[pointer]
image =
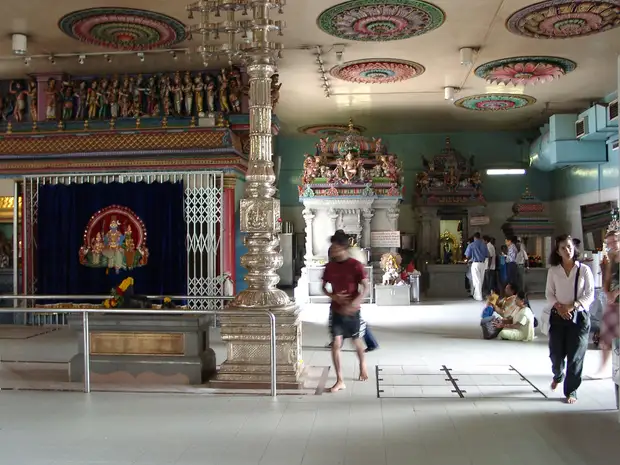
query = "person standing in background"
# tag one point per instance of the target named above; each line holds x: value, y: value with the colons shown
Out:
x: 522, y: 261
x: 490, y: 276
x: 477, y: 253
x: 512, y: 272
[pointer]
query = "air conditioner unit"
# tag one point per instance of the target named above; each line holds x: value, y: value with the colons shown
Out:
x: 612, y: 110
x: 581, y: 127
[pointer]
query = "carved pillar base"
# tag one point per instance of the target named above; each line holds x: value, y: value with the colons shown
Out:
x: 247, y: 342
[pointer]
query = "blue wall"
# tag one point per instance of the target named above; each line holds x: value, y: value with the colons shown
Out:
x: 491, y: 150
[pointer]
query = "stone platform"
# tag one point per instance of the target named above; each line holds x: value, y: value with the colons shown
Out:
x: 162, y: 349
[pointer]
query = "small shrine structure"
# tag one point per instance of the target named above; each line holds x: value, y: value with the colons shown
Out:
x: 352, y: 183
x: 449, y: 189
x: 533, y: 227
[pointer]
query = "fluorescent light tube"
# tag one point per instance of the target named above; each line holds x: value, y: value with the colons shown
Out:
x: 506, y: 172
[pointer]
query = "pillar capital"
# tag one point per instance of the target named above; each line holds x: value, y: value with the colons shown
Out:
x: 230, y: 181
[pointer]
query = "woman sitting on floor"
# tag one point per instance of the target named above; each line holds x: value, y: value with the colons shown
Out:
x: 521, y: 326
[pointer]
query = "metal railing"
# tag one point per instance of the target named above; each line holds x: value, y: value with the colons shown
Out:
x: 86, y: 328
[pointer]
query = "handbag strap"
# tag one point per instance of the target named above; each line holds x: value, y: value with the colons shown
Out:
x: 577, y: 280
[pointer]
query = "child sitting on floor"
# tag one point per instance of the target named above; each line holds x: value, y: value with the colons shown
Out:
x: 490, y: 317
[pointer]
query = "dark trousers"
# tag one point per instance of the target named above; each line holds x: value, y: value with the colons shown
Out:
x: 490, y: 282
x: 512, y: 273
x: 568, y: 344
x: 369, y: 339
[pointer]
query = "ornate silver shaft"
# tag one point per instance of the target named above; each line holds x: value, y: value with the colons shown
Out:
x: 260, y: 212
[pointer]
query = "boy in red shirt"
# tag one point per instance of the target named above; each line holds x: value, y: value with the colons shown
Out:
x: 345, y: 275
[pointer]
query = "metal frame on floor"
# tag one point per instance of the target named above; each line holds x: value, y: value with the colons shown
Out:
x: 459, y: 390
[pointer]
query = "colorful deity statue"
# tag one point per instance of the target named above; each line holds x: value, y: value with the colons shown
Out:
x: 176, y: 88
x: 104, y: 99
x: 113, y: 242
x: 51, y: 106
x: 81, y: 95
x: 199, y: 88
x: 210, y: 91
x: 350, y: 166
x: 97, y: 248
x: 275, y: 90
x: 32, y: 94
x: 67, y: 101
x: 92, y: 100
x: 188, y: 94
x: 21, y: 96
x: 223, y: 92
x: 113, y: 98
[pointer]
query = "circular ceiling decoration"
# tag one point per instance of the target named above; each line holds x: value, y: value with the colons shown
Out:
x: 525, y: 70
x: 380, y: 71
x: 380, y: 20
x: 329, y: 130
x: 495, y: 102
x: 123, y: 28
x: 564, y: 19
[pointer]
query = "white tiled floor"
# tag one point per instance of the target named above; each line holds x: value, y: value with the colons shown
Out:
x: 352, y: 427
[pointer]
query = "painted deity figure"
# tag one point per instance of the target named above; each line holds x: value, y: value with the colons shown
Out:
x: 176, y: 88
x: 113, y: 242
x: 138, y: 97
x: 21, y: 96
x: 309, y: 172
x: 97, y: 249
x: 164, y: 94
x: 188, y: 94
x: 275, y: 91
x: 350, y: 166
x: 92, y: 100
x: 82, y: 96
x: 104, y: 96
x: 52, y: 100
x: 67, y: 101
x: 32, y: 93
x: 114, y: 97
x: 223, y: 92
x: 199, y: 88
x: 124, y: 96
x: 235, y: 91
x: 152, y: 97
x: 130, y: 248
x: 210, y: 94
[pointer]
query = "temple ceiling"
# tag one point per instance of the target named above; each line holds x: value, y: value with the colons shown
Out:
x: 385, y: 62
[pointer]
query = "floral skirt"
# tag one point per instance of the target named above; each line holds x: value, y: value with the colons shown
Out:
x: 610, y: 329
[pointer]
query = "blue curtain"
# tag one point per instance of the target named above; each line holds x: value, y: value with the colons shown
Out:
x: 64, y: 212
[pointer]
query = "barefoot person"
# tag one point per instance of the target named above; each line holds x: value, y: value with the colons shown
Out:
x: 569, y: 293
x: 346, y: 276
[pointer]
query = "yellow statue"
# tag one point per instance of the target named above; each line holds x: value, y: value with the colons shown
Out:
x: 113, y: 251
x: 97, y: 248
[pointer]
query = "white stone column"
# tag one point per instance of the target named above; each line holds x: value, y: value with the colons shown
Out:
x: 367, y: 215
x: 309, y: 215
x: 333, y: 215
x: 393, y: 214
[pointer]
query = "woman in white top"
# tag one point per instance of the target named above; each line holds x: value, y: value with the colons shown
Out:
x: 569, y: 292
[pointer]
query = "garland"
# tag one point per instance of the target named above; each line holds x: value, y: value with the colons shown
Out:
x: 118, y: 294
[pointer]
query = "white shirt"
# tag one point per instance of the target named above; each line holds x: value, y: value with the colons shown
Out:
x: 521, y: 257
x: 561, y: 288
x: 491, y: 249
x: 525, y: 317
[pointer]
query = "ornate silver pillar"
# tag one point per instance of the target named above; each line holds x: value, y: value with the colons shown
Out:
x: 247, y: 338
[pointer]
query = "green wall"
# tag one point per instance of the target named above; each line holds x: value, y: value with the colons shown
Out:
x: 491, y: 150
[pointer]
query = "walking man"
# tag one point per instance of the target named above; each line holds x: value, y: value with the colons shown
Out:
x: 490, y: 276
x: 349, y: 284
x: 477, y: 253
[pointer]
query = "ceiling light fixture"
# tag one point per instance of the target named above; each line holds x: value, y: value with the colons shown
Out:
x: 81, y: 59
x: 506, y: 172
x: 19, y: 44
x: 173, y: 54
x: 321, y: 69
x: 52, y: 60
x: 467, y: 56
x: 108, y: 58
x: 339, y: 49
x: 141, y: 56
x: 448, y: 93
x: 27, y: 61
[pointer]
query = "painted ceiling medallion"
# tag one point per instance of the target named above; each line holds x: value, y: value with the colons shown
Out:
x: 564, y: 19
x: 329, y: 130
x: 123, y: 28
x: 380, y: 20
x: 495, y: 102
x: 381, y: 71
x: 525, y: 70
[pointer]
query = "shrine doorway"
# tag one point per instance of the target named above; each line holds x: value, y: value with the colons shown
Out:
x: 203, y: 213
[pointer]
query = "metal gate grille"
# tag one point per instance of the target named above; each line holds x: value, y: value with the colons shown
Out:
x: 203, y: 212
